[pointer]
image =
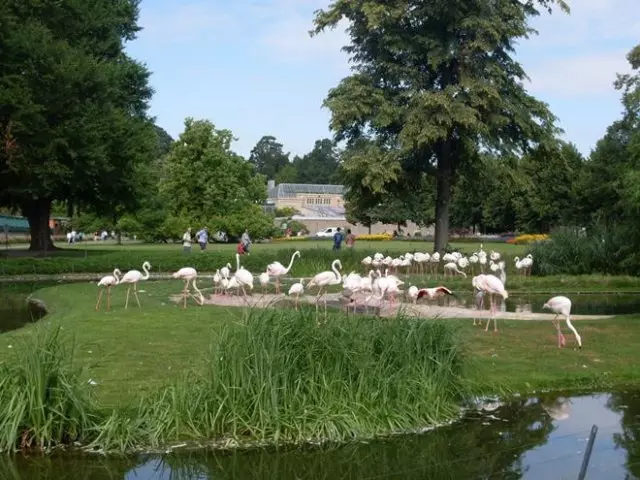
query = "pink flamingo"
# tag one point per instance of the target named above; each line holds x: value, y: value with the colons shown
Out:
x: 189, y: 275
x: 276, y: 269
x: 491, y: 285
x: 562, y: 306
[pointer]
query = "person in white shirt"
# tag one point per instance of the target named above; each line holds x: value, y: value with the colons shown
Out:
x: 186, y: 241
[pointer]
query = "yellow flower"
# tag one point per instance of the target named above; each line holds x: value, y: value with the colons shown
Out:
x: 379, y: 237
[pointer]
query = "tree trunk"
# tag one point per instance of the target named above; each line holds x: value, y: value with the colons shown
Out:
x: 444, y: 177
x: 369, y: 229
x: 38, y: 213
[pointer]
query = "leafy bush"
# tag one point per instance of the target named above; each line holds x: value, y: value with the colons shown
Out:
x: 375, y: 237
x: 528, y: 238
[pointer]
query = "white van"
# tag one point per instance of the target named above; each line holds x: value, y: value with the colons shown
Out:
x: 327, y: 232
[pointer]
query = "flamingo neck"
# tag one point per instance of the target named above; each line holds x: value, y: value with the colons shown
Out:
x: 237, y: 262
x: 295, y: 254
x: 146, y: 272
x: 335, y: 270
x: 116, y: 275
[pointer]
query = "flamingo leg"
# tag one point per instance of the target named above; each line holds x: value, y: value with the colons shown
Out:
x: 99, y: 298
x: 126, y: 303
x: 185, y: 293
x: 297, y: 300
x: 135, y: 293
x: 108, y: 299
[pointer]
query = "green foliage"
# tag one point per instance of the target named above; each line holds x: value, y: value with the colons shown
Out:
x: 279, y: 377
x: 43, y: 401
x: 205, y: 183
x: 72, y: 108
x: 286, y: 212
x: 268, y: 158
x: 320, y: 165
x: 433, y: 84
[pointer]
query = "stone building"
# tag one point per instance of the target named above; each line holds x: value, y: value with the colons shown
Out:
x: 322, y: 206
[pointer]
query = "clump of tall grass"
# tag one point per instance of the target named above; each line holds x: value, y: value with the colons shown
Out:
x: 577, y: 252
x: 280, y: 377
x: 43, y: 401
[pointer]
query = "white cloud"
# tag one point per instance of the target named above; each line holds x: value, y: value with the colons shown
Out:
x: 578, y: 75
x: 590, y: 23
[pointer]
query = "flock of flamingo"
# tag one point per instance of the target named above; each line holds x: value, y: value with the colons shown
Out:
x: 374, y: 285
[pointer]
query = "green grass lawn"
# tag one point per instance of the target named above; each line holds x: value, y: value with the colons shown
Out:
x: 131, y: 352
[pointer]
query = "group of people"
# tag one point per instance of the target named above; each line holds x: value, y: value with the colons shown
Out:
x: 202, y: 237
x: 339, y: 237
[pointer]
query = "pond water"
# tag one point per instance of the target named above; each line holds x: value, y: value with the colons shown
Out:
x: 582, y: 304
x: 535, y: 438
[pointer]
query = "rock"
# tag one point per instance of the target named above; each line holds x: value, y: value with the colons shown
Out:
x: 36, y: 307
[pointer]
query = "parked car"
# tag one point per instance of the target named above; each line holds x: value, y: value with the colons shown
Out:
x: 327, y: 232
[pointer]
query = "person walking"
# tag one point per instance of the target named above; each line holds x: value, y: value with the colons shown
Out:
x: 203, y: 238
x: 246, y: 241
x: 351, y: 239
x: 186, y: 241
x: 337, y: 239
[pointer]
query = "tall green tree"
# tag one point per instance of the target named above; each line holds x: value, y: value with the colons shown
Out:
x: 72, y: 108
x: 548, y: 197
x: 205, y: 182
x: 268, y: 157
x: 320, y: 165
x: 434, y: 81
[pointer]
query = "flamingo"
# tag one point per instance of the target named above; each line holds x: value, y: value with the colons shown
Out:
x: 106, y: 283
x: 243, y: 276
x: 324, y: 279
x: 225, y: 271
x: 452, y: 267
x: 297, y: 289
x: 276, y: 269
x: 189, y: 275
x: 132, y: 277
x: 264, y: 281
x: 433, y: 293
x: 562, y: 306
x: 351, y: 285
x: 217, y: 279
x: 475, y: 282
x: 493, y: 286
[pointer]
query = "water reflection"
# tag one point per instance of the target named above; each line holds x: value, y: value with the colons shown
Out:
x: 589, y: 304
x: 542, y: 437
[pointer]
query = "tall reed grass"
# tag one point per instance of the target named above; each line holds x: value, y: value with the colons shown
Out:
x: 43, y: 401
x: 575, y: 252
x: 279, y: 377
x: 276, y: 377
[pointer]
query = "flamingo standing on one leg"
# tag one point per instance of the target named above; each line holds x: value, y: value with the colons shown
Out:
x: 562, y: 306
x: 106, y: 283
x: 276, y: 269
x: 132, y: 277
x: 189, y: 274
x: 297, y: 289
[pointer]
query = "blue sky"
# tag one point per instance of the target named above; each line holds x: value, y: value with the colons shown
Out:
x: 251, y: 67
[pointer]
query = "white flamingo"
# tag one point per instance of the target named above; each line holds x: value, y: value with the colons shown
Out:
x: 243, y: 276
x: 451, y: 268
x: 492, y: 285
x: 106, y: 283
x: 433, y: 293
x: 132, y: 277
x: 562, y: 306
x: 189, y: 275
x: 297, y: 289
x: 225, y: 271
x: 276, y: 269
x: 263, y: 278
x: 323, y: 280
x: 217, y: 279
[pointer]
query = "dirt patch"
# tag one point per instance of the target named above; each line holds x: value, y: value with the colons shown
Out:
x: 258, y: 300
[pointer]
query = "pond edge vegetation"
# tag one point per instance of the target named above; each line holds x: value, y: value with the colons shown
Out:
x: 276, y: 378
